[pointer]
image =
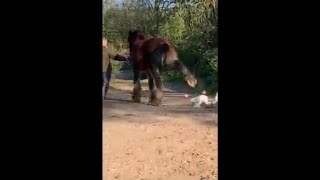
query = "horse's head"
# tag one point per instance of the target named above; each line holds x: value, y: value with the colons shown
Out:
x: 135, y: 37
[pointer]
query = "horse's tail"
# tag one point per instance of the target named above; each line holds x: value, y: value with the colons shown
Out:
x: 164, y: 47
x: 174, y: 63
x: 159, y: 55
x: 188, y: 76
x: 162, y: 57
x: 179, y: 65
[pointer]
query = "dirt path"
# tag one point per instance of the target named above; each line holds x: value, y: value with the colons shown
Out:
x: 171, y: 142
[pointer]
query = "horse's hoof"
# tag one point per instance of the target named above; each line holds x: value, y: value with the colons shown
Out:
x: 150, y: 103
x: 155, y: 103
x: 136, y: 100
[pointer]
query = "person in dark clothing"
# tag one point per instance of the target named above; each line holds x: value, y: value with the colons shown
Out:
x: 107, y: 67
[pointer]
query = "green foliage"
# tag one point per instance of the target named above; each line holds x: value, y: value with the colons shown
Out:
x: 116, y: 66
x: 174, y: 27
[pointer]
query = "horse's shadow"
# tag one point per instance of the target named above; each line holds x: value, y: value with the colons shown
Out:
x: 111, y: 101
x: 128, y: 75
x: 117, y: 100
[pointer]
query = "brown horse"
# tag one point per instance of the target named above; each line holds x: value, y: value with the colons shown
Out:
x: 153, y: 55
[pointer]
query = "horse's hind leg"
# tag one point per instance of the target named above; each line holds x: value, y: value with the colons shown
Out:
x: 137, y: 86
x: 151, y: 87
x: 158, y: 93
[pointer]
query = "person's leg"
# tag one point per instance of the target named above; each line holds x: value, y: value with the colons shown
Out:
x: 104, y: 84
x: 107, y: 81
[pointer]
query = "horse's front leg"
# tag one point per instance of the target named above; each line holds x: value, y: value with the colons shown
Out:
x: 137, y: 86
x: 157, y: 93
